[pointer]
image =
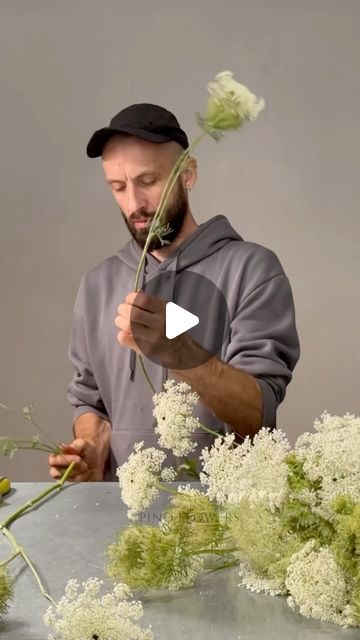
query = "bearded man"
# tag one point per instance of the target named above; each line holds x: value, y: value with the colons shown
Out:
x: 239, y: 385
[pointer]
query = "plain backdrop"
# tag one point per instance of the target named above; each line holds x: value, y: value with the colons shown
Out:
x: 290, y: 181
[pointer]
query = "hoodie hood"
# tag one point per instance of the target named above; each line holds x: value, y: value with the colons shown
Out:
x: 210, y: 237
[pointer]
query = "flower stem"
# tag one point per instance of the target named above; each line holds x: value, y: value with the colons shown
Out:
x: 5, y: 562
x: 53, y: 444
x: 223, y: 566
x: 208, y: 430
x: 213, y: 551
x: 163, y: 201
x: 162, y: 487
x: 20, y: 551
x: 33, y: 501
x: 26, y: 447
x: 17, y: 548
x: 148, y: 379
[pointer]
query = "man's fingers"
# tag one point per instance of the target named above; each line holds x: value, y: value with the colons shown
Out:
x: 145, y: 301
x: 63, y: 460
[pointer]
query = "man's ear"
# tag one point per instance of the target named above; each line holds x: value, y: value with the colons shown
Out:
x: 190, y: 173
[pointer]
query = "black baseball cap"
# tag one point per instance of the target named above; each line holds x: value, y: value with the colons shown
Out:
x: 143, y: 120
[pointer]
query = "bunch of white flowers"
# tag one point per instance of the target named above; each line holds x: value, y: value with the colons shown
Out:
x: 331, y: 455
x: 317, y: 585
x: 256, y: 471
x: 139, y: 478
x: 85, y: 615
x: 173, y: 409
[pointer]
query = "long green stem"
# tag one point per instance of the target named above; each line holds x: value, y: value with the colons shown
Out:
x: 17, y: 548
x: 20, y: 551
x: 148, y: 379
x: 163, y: 201
x: 33, y: 501
x: 5, y: 562
x: 162, y: 487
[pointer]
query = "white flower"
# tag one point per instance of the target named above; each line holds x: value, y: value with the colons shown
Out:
x: 85, y: 615
x: 332, y: 455
x: 230, y: 105
x: 257, y: 471
x: 173, y: 409
x: 139, y: 478
x: 317, y: 585
x: 259, y: 584
x: 220, y: 468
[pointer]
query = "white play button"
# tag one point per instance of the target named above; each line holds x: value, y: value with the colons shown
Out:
x: 178, y: 320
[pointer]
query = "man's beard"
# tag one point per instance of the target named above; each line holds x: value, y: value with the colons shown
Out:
x: 173, y: 217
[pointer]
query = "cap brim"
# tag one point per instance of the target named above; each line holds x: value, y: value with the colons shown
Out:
x: 99, y: 138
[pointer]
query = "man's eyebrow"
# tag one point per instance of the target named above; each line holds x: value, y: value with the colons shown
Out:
x: 140, y: 175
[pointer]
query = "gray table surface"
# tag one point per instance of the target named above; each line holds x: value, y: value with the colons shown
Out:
x: 66, y: 538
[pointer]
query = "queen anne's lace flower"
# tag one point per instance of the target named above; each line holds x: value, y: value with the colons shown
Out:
x: 257, y: 471
x: 173, y: 409
x: 139, y: 478
x: 317, y: 585
x: 6, y: 591
x: 332, y: 455
x: 148, y: 557
x: 86, y: 615
x: 230, y: 105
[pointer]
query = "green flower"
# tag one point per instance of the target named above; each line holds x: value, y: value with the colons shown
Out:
x: 262, y: 541
x: 6, y: 591
x: 296, y: 516
x: 229, y: 106
x: 195, y: 519
x: 145, y: 557
x: 346, y: 542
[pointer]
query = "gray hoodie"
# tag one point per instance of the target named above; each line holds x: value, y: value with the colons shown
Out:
x: 262, y: 340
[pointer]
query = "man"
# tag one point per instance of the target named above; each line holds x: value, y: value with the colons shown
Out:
x: 240, y: 389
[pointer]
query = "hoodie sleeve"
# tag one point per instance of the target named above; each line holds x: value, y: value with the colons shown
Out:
x: 263, y: 336
x: 82, y: 392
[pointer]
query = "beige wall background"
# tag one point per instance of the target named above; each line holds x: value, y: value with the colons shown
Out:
x: 290, y: 182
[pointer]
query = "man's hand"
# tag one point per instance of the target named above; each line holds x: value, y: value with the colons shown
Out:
x: 88, y: 466
x: 142, y: 323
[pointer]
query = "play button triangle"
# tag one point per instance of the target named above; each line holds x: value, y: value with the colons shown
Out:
x: 178, y: 320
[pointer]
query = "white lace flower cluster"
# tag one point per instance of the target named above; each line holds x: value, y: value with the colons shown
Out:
x: 173, y: 409
x: 257, y: 471
x: 139, y: 478
x: 317, y: 585
x: 332, y: 455
x: 230, y: 105
x: 85, y: 615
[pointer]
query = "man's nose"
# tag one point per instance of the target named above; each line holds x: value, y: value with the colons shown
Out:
x: 135, y: 199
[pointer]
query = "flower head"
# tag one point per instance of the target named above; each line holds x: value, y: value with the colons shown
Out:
x: 264, y: 546
x: 194, y: 518
x: 229, y: 106
x: 139, y: 477
x: 257, y: 471
x: 6, y: 591
x: 317, y: 585
x: 173, y: 409
x: 83, y: 615
x: 330, y: 458
x: 149, y: 558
